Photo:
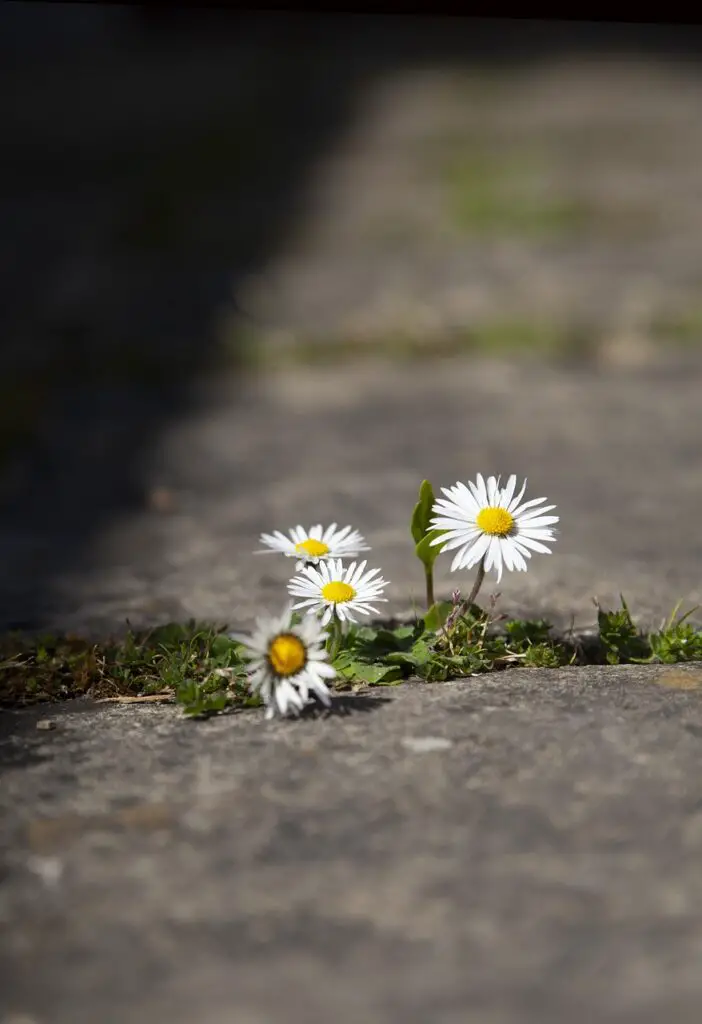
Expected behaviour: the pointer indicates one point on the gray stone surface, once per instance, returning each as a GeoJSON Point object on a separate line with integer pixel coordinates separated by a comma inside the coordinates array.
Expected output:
{"type": "Point", "coordinates": [617, 452]}
{"type": "Point", "coordinates": [517, 848]}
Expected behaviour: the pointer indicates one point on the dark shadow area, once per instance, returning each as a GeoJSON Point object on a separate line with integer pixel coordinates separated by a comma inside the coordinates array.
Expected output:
{"type": "Point", "coordinates": [23, 751]}
{"type": "Point", "coordinates": [351, 704]}
{"type": "Point", "coordinates": [26, 733]}
{"type": "Point", "coordinates": [152, 160]}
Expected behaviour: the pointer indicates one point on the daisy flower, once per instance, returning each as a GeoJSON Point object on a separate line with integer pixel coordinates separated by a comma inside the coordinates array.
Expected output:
{"type": "Point", "coordinates": [315, 546]}
{"type": "Point", "coordinates": [333, 590]}
{"type": "Point", "coordinates": [485, 521]}
{"type": "Point", "coordinates": [288, 662]}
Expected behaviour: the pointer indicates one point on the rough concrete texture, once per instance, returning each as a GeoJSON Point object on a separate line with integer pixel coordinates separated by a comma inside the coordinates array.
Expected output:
{"type": "Point", "coordinates": [516, 848]}
{"type": "Point", "coordinates": [616, 452]}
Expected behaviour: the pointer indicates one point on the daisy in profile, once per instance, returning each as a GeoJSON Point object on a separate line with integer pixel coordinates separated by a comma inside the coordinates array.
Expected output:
{"type": "Point", "coordinates": [316, 545]}
{"type": "Point", "coordinates": [334, 592]}
{"type": "Point", "coordinates": [287, 663]}
{"type": "Point", "coordinates": [490, 526]}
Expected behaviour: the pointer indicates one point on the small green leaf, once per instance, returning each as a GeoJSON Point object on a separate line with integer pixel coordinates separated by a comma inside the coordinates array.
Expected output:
{"type": "Point", "coordinates": [343, 661]}
{"type": "Point", "coordinates": [437, 615]}
{"type": "Point", "coordinates": [419, 654]}
{"type": "Point", "coordinates": [373, 674]}
{"type": "Point", "coordinates": [225, 650]}
{"type": "Point", "coordinates": [403, 658]}
{"type": "Point", "coordinates": [523, 632]}
{"type": "Point", "coordinates": [363, 633]}
{"type": "Point", "coordinates": [422, 652]}
{"type": "Point", "coordinates": [422, 512]}
{"type": "Point", "coordinates": [383, 641]}
{"type": "Point", "coordinates": [426, 551]}
{"type": "Point", "coordinates": [402, 632]}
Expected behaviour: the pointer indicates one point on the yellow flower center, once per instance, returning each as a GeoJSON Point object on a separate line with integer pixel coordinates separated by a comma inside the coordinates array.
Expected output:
{"type": "Point", "coordinates": [338, 592]}
{"type": "Point", "coordinates": [287, 654]}
{"type": "Point", "coordinates": [496, 521]}
{"type": "Point", "coordinates": [312, 547]}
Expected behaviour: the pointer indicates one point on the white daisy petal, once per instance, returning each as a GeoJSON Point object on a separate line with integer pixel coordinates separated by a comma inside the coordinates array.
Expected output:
{"type": "Point", "coordinates": [493, 557]}
{"type": "Point", "coordinates": [459, 540]}
{"type": "Point", "coordinates": [443, 539]}
{"type": "Point", "coordinates": [479, 491]}
{"type": "Point", "coordinates": [459, 561]}
{"type": "Point", "coordinates": [537, 521]}
{"type": "Point", "coordinates": [543, 534]}
{"type": "Point", "coordinates": [519, 560]}
{"type": "Point", "coordinates": [507, 549]}
{"type": "Point", "coordinates": [508, 492]}
{"type": "Point", "coordinates": [514, 503]}
{"type": "Point", "coordinates": [452, 522]}
{"type": "Point", "coordinates": [306, 603]}
{"type": "Point", "coordinates": [329, 533]}
{"type": "Point", "coordinates": [464, 497]}
{"type": "Point", "coordinates": [450, 498]}
{"type": "Point", "coordinates": [477, 550]}
{"type": "Point", "coordinates": [535, 511]}
{"type": "Point", "coordinates": [519, 545]}
{"type": "Point", "coordinates": [535, 545]}
{"type": "Point", "coordinates": [519, 510]}
{"type": "Point", "coordinates": [493, 490]}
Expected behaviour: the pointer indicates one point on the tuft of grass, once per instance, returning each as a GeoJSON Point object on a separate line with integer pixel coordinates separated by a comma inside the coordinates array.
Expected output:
{"type": "Point", "coordinates": [622, 642]}
{"type": "Point", "coordinates": [200, 667]}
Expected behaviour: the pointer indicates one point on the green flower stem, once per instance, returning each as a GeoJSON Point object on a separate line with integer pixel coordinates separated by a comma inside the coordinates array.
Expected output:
{"type": "Point", "coordinates": [334, 639]}
{"type": "Point", "coordinates": [429, 578]}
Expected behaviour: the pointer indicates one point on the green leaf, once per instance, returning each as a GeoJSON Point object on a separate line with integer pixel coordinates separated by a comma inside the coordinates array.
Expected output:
{"type": "Point", "coordinates": [373, 674]}
{"type": "Point", "coordinates": [225, 651]}
{"type": "Point", "coordinates": [426, 551]}
{"type": "Point", "coordinates": [528, 631]}
{"type": "Point", "coordinates": [402, 632]}
{"type": "Point", "coordinates": [404, 658]}
{"type": "Point", "coordinates": [362, 632]}
{"type": "Point", "coordinates": [383, 642]}
{"type": "Point", "coordinates": [422, 652]}
{"type": "Point", "coordinates": [422, 512]}
{"type": "Point", "coordinates": [343, 661]}
{"type": "Point", "coordinates": [437, 615]}
{"type": "Point", "coordinates": [419, 654]}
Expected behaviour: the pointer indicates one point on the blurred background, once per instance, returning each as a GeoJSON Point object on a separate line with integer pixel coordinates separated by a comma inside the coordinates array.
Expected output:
{"type": "Point", "coordinates": [245, 255]}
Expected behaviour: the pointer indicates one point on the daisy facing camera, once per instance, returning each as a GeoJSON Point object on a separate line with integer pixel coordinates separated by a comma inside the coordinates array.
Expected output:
{"type": "Point", "coordinates": [288, 663]}
{"type": "Point", "coordinates": [334, 592]}
{"type": "Point", "coordinates": [489, 526]}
